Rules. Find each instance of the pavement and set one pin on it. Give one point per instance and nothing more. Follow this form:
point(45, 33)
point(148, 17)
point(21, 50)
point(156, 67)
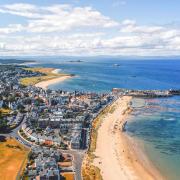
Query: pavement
point(14, 133)
point(77, 154)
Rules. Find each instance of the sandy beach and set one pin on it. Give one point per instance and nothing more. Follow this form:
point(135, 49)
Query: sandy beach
point(45, 84)
point(117, 156)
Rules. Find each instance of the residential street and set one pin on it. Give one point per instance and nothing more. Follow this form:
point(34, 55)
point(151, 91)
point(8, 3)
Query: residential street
point(77, 154)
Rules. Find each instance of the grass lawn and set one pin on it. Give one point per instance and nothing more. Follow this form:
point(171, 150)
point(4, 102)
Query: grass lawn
point(89, 171)
point(34, 80)
point(12, 156)
point(41, 70)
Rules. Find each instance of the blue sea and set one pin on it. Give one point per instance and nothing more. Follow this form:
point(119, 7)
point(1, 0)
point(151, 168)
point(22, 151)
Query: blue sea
point(101, 74)
point(156, 122)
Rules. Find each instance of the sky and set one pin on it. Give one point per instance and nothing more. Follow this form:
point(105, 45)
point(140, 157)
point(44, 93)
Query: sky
point(90, 27)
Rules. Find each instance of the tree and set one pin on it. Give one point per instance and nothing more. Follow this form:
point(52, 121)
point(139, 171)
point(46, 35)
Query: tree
point(20, 107)
point(11, 98)
point(27, 101)
point(3, 124)
point(38, 101)
point(53, 102)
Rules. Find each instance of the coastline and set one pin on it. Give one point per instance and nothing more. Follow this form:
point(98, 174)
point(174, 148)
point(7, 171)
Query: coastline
point(50, 76)
point(45, 84)
point(115, 149)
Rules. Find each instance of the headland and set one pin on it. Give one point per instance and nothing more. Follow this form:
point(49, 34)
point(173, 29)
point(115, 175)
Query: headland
point(47, 76)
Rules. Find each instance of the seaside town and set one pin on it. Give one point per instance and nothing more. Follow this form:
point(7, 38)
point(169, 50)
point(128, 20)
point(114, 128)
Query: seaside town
point(55, 125)
point(89, 90)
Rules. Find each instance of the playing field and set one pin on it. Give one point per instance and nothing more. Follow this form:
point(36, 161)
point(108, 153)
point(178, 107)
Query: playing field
point(12, 158)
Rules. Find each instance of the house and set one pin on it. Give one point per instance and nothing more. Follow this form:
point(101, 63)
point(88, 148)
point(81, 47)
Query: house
point(76, 141)
point(1, 103)
point(43, 122)
point(49, 174)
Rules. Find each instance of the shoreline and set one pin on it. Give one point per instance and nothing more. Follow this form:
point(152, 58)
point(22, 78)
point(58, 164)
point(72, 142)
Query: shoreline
point(117, 150)
point(53, 77)
point(45, 84)
point(49, 76)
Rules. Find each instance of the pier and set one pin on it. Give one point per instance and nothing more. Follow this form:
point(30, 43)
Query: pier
point(146, 93)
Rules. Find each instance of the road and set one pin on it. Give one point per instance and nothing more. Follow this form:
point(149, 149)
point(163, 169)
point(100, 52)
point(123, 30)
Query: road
point(77, 154)
point(14, 133)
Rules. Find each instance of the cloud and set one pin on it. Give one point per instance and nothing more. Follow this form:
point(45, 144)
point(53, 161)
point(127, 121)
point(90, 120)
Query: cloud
point(128, 22)
point(55, 18)
point(64, 20)
point(130, 26)
point(64, 29)
point(25, 10)
point(11, 28)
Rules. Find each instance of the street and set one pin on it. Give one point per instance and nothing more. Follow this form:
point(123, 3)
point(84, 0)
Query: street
point(77, 154)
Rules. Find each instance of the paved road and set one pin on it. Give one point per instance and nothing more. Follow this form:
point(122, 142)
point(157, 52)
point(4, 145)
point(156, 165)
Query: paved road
point(77, 154)
point(14, 133)
point(77, 162)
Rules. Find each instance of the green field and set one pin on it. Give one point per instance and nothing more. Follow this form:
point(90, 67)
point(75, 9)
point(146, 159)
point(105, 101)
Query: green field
point(48, 75)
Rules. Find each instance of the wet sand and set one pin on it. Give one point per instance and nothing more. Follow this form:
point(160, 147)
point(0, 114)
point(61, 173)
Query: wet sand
point(45, 84)
point(118, 155)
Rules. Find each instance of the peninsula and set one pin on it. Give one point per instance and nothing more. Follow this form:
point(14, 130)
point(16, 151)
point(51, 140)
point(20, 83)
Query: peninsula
point(45, 77)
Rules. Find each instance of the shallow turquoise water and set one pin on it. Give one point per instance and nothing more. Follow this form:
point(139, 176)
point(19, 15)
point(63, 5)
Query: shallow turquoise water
point(158, 123)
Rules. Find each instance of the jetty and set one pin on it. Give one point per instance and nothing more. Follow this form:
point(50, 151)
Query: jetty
point(146, 93)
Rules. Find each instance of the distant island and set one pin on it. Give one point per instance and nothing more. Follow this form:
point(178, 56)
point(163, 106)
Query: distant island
point(78, 132)
point(116, 65)
point(74, 61)
point(40, 126)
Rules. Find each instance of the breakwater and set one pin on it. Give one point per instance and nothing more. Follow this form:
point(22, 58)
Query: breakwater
point(146, 93)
